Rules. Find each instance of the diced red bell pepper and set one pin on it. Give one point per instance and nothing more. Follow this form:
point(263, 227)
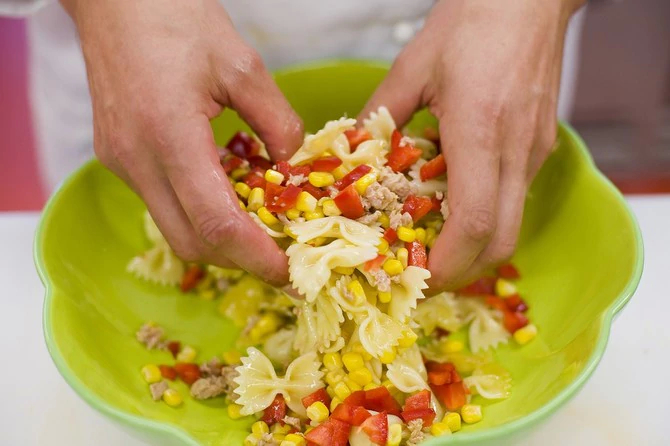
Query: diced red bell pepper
point(255, 178)
point(332, 432)
point(439, 373)
point(287, 198)
point(436, 205)
point(357, 136)
point(433, 168)
point(416, 254)
point(516, 303)
point(360, 415)
point(400, 158)
point(352, 176)
point(483, 286)
point(272, 194)
point(243, 145)
point(286, 169)
point(260, 162)
point(188, 372)
point(451, 395)
point(497, 302)
point(417, 207)
point(420, 400)
point(174, 347)
point(231, 163)
point(326, 164)
point(508, 271)
point(349, 203)
point(341, 432)
point(391, 235)
point(379, 399)
point(168, 372)
point(427, 415)
point(314, 191)
point(191, 277)
point(276, 411)
point(377, 428)
point(319, 395)
point(357, 398)
point(375, 264)
point(514, 321)
point(354, 415)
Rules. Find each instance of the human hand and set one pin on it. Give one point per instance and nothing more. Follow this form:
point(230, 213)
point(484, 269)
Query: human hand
point(490, 72)
point(158, 72)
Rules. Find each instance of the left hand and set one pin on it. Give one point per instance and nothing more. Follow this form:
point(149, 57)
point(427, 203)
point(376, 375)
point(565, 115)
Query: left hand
point(490, 72)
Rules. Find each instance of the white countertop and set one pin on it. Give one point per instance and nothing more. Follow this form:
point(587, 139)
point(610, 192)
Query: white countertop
point(626, 402)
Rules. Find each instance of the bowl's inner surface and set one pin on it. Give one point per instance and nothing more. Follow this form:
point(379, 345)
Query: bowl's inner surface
point(576, 254)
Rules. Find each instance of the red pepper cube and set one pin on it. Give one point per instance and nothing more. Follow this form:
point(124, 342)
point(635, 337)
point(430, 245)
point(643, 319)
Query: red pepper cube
point(349, 203)
point(433, 168)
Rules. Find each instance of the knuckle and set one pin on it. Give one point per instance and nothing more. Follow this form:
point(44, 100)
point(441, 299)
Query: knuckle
point(247, 64)
point(186, 251)
point(478, 223)
point(502, 251)
point(212, 228)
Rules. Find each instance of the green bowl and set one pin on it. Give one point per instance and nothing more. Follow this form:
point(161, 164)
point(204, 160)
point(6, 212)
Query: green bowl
point(580, 253)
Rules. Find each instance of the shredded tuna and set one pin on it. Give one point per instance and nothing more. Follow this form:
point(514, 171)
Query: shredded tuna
point(439, 195)
point(406, 141)
point(222, 284)
point(382, 280)
point(415, 434)
point(380, 198)
point(398, 218)
point(296, 180)
point(292, 421)
point(211, 368)
point(368, 219)
point(267, 440)
point(210, 387)
point(332, 191)
point(397, 183)
point(151, 336)
point(157, 389)
point(444, 209)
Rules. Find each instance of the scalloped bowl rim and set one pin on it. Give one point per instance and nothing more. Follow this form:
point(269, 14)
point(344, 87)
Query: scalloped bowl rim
point(528, 420)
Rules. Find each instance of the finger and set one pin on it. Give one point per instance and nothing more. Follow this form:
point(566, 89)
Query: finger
point(212, 207)
point(251, 91)
point(473, 167)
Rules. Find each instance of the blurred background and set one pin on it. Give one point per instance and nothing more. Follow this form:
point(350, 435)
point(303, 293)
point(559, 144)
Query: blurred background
point(622, 106)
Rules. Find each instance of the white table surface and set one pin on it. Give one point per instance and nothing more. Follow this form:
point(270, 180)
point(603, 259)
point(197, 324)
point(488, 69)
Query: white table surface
point(626, 402)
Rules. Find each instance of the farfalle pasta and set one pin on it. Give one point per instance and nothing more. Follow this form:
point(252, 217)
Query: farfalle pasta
point(361, 357)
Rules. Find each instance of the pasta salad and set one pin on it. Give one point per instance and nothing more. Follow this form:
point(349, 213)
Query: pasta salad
point(362, 358)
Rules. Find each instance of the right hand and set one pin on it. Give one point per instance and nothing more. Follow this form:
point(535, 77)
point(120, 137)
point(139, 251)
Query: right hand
point(158, 72)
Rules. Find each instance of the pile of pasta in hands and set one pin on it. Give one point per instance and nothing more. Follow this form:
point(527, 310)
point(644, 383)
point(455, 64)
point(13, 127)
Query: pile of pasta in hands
point(363, 358)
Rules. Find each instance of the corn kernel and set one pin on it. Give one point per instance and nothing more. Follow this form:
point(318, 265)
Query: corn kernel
point(437, 429)
point(331, 392)
point(453, 420)
point(392, 267)
point(268, 323)
point(408, 338)
point(330, 208)
point(364, 182)
point(353, 385)
point(471, 413)
point(402, 255)
point(251, 440)
point(260, 428)
point(420, 235)
point(234, 411)
point(293, 440)
point(317, 412)
point(321, 179)
point(505, 288)
point(387, 357)
point(306, 202)
point(406, 234)
point(358, 348)
point(384, 220)
point(267, 217)
point(256, 199)
point(238, 173)
point(525, 334)
point(361, 376)
point(151, 373)
point(370, 386)
point(172, 398)
point(389, 385)
point(356, 289)
point(242, 190)
point(313, 215)
point(187, 354)
point(339, 172)
point(345, 270)
point(384, 297)
point(332, 361)
point(278, 438)
point(334, 403)
point(334, 376)
point(288, 231)
point(274, 177)
point(353, 361)
point(452, 346)
point(231, 357)
point(341, 391)
point(293, 214)
point(277, 428)
point(383, 246)
point(242, 205)
point(394, 435)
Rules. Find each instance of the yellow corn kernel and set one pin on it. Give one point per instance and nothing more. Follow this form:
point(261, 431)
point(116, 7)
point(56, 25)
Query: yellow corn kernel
point(151, 373)
point(242, 190)
point(334, 402)
point(353, 385)
point(251, 440)
point(437, 429)
point(370, 386)
point(256, 199)
point(420, 235)
point(526, 334)
point(231, 357)
point(330, 390)
point(392, 267)
point(431, 233)
point(234, 411)
point(394, 435)
point(387, 357)
point(313, 215)
point(321, 179)
point(293, 440)
point(172, 398)
point(383, 246)
point(356, 289)
point(260, 428)
point(353, 361)
point(505, 288)
point(339, 172)
point(278, 438)
point(317, 412)
point(274, 177)
point(471, 413)
point(268, 323)
point(267, 217)
point(384, 220)
point(293, 214)
point(389, 385)
point(330, 208)
point(358, 348)
point(384, 297)
point(364, 182)
point(334, 376)
point(238, 173)
point(306, 202)
point(288, 231)
point(453, 420)
point(362, 376)
point(408, 338)
point(341, 390)
point(406, 234)
point(452, 346)
point(345, 270)
point(332, 361)
point(277, 428)
point(242, 205)
point(402, 255)
point(187, 354)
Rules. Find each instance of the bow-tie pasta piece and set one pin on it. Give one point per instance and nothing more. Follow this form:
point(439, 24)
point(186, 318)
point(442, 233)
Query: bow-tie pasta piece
point(486, 329)
point(441, 311)
point(314, 145)
point(158, 265)
point(407, 292)
point(337, 227)
point(380, 124)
